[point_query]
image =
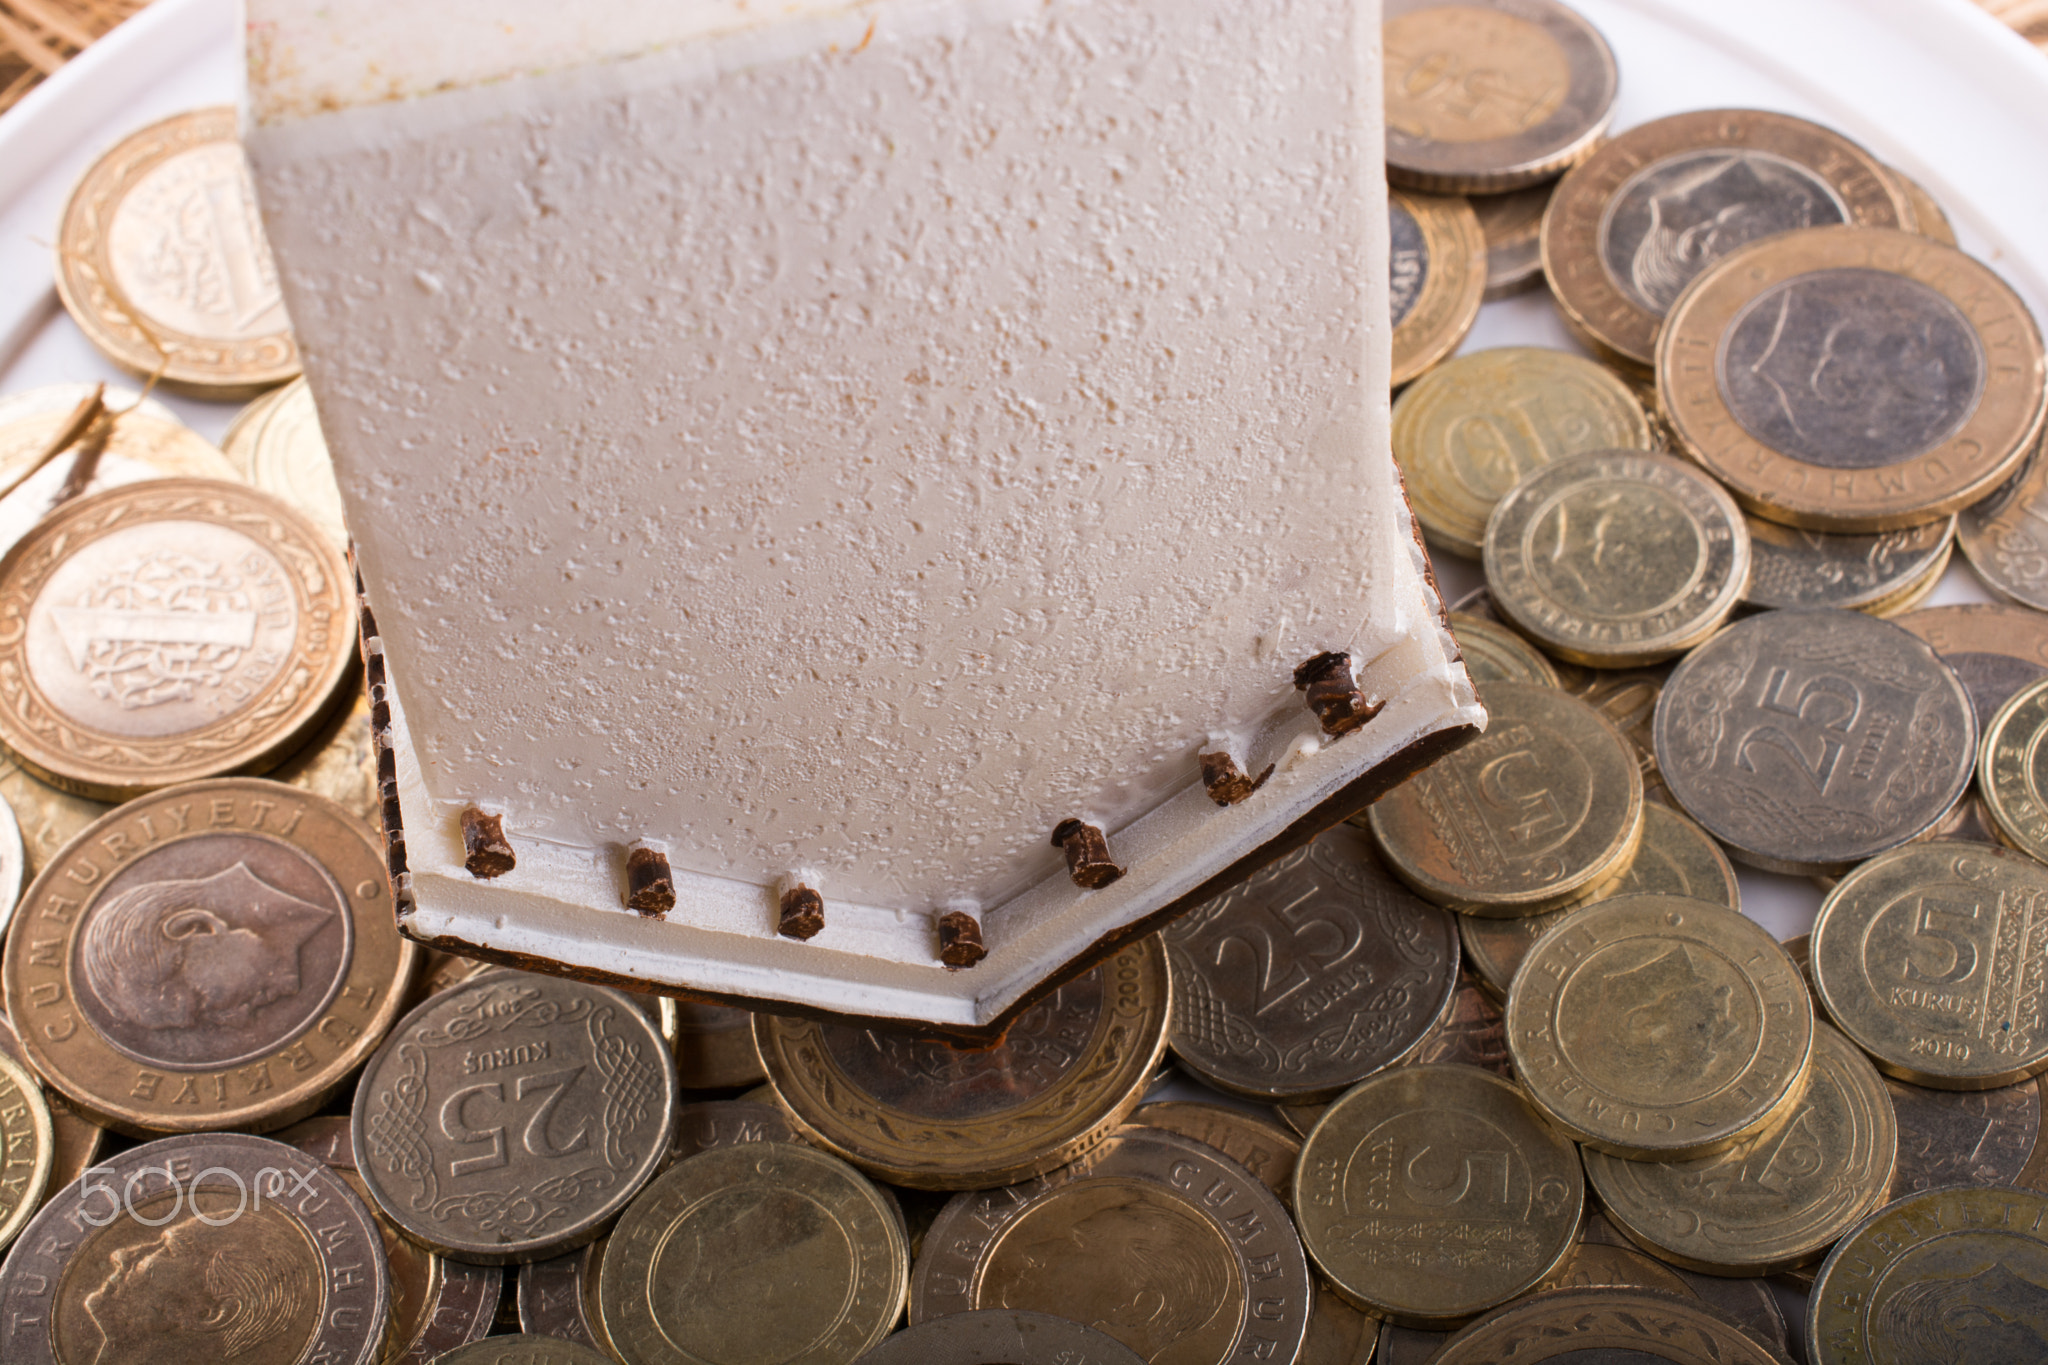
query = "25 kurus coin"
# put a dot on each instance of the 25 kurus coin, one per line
(1660, 1028)
(1932, 958)
(1617, 558)
(220, 955)
(1791, 567)
(1853, 379)
(918, 1112)
(1808, 741)
(1544, 806)
(1310, 975)
(1491, 94)
(1774, 1200)
(1427, 1194)
(168, 631)
(1631, 226)
(513, 1117)
(1436, 257)
(162, 262)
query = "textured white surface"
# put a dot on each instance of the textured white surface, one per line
(860, 448)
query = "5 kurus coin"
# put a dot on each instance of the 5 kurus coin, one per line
(918, 1112)
(1808, 741)
(1475, 426)
(1427, 1194)
(1776, 1199)
(1631, 226)
(169, 631)
(1491, 95)
(514, 1116)
(162, 262)
(219, 955)
(1660, 1028)
(1544, 806)
(1308, 976)
(1853, 379)
(1436, 258)
(1617, 558)
(1931, 957)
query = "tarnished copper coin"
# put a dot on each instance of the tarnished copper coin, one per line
(1631, 226)
(1853, 378)
(168, 631)
(220, 955)
(162, 261)
(1436, 258)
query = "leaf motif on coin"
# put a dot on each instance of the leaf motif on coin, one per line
(1700, 719)
(1753, 811)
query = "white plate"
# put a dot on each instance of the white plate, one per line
(1936, 87)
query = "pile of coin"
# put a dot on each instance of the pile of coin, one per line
(1498, 1071)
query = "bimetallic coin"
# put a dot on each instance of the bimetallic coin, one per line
(1675, 858)
(162, 262)
(1774, 1200)
(169, 631)
(1959, 1274)
(1933, 959)
(920, 1113)
(1436, 258)
(1491, 94)
(1790, 567)
(63, 400)
(288, 459)
(1599, 1326)
(1427, 1194)
(797, 1235)
(1929, 220)
(75, 1141)
(558, 1297)
(1010, 1335)
(1494, 653)
(1808, 741)
(1630, 227)
(1959, 1137)
(1475, 426)
(436, 1304)
(1544, 806)
(1310, 975)
(1617, 558)
(509, 1119)
(715, 1047)
(523, 1350)
(203, 1247)
(1995, 650)
(2012, 769)
(220, 955)
(1853, 379)
(1513, 225)
(1660, 1028)
(1163, 1242)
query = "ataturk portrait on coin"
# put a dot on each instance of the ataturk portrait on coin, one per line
(1993, 1314)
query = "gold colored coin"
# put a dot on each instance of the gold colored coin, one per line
(2012, 769)
(1491, 94)
(1617, 558)
(770, 1251)
(1675, 858)
(1853, 379)
(218, 956)
(523, 1350)
(1494, 653)
(1628, 697)
(1430, 1193)
(1475, 426)
(288, 459)
(715, 1047)
(136, 448)
(28, 1149)
(76, 1141)
(161, 261)
(238, 442)
(1915, 592)
(1544, 806)
(1929, 219)
(1958, 1274)
(1932, 958)
(1513, 224)
(1660, 1028)
(920, 1113)
(1436, 257)
(1995, 649)
(166, 632)
(1775, 1200)
(1631, 226)
(1578, 1326)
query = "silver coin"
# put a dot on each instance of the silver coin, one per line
(228, 1247)
(1792, 567)
(1217, 1199)
(558, 1297)
(1010, 1335)
(508, 1119)
(1305, 979)
(1808, 741)
(2005, 537)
